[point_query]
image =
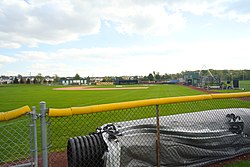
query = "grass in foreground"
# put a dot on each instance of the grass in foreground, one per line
(239, 164)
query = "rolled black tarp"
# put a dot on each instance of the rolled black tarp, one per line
(191, 139)
(86, 151)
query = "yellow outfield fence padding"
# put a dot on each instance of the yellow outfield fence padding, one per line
(5, 116)
(141, 103)
(62, 112)
(230, 95)
(133, 104)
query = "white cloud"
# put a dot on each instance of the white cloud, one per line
(238, 10)
(7, 59)
(150, 19)
(34, 56)
(10, 45)
(55, 21)
(60, 69)
(244, 18)
(141, 60)
(50, 22)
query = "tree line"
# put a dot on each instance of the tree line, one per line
(224, 75)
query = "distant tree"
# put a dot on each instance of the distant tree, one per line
(39, 78)
(77, 77)
(34, 81)
(107, 79)
(150, 77)
(28, 81)
(119, 79)
(145, 78)
(178, 75)
(154, 73)
(16, 81)
(88, 80)
(56, 78)
(165, 76)
(22, 80)
(157, 76)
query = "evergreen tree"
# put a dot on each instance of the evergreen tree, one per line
(150, 77)
(16, 81)
(28, 81)
(77, 77)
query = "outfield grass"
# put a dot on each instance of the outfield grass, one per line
(15, 96)
(239, 164)
(244, 87)
(245, 84)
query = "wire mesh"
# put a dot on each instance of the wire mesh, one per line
(128, 137)
(15, 142)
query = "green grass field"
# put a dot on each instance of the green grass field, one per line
(244, 87)
(239, 163)
(245, 84)
(15, 96)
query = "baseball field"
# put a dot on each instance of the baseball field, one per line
(15, 96)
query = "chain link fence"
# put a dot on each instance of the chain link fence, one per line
(16, 142)
(196, 132)
(178, 131)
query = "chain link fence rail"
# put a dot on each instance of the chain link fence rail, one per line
(176, 131)
(17, 138)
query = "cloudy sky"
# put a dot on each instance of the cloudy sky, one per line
(122, 37)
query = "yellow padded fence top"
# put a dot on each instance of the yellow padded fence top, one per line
(141, 103)
(5, 116)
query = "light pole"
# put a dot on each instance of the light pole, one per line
(243, 74)
(232, 84)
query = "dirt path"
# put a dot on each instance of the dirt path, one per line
(201, 89)
(59, 159)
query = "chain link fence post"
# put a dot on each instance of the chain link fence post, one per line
(158, 144)
(35, 148)
(43, 111)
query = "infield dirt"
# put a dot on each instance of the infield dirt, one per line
(95, 88)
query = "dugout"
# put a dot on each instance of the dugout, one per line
(127, 82)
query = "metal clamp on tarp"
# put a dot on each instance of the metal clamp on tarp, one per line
(111, 130)
(236, 124)
(112, 155)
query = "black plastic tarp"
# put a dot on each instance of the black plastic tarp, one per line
(192, 139)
